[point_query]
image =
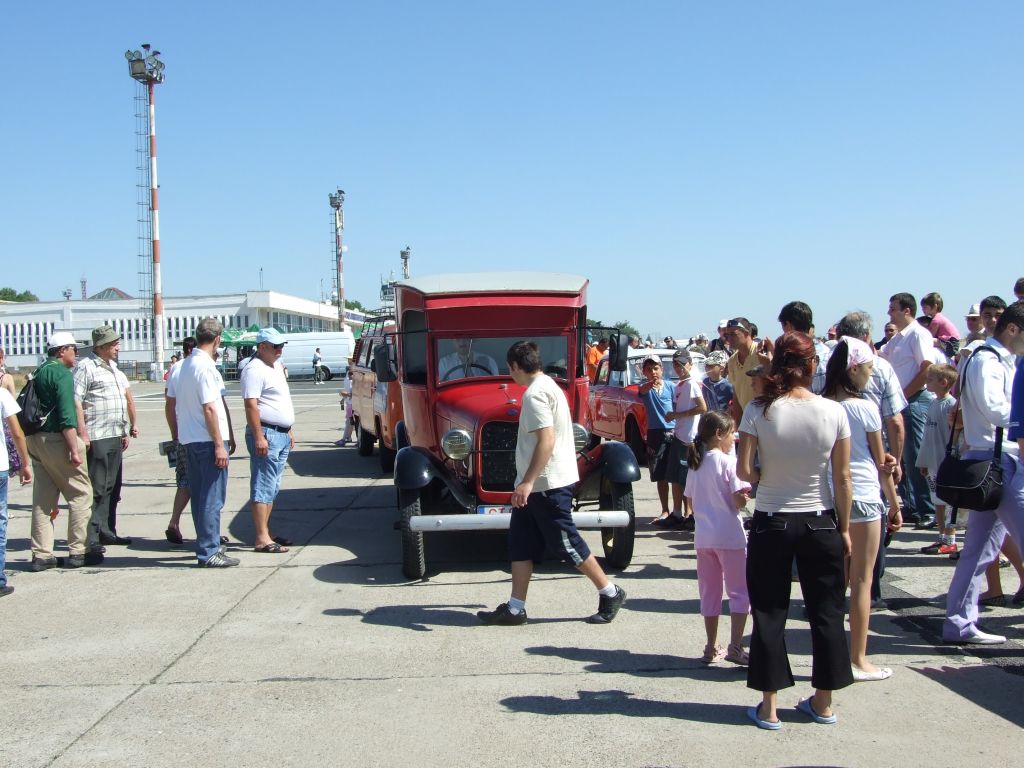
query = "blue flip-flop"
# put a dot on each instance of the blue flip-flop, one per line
(805, 707)
(767, 725)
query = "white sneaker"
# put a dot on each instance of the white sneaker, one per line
(977, 637)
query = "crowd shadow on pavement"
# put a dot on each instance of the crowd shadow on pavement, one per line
(625, 662)
(616, 702)
(984, 686)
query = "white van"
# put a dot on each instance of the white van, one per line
(335, 348)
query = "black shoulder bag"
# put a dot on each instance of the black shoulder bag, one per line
(971, 483)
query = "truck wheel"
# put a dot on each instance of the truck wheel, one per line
(387, 457)
(365, 440)
(414, 561)
(636, 443)
(618, 542)
(327, 374)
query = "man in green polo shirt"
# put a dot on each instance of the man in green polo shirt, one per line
(58, 460)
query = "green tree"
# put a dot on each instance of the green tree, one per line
(9, 294)
(626, 327)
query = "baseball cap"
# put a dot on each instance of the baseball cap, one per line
(718, 357)
(974, 311)
(650, 360)
(104, 334)
(60, 339)
(271, 335)
(681, 356)
(723, 323)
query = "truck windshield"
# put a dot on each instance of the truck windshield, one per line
(467, 356)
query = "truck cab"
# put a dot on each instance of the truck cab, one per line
(455, 467)
(376, 405)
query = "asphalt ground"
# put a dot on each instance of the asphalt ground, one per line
(326, 655)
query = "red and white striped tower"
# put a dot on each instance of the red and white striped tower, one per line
(158, 297)
(146, 67)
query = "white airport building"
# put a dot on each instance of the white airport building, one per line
(25, 326)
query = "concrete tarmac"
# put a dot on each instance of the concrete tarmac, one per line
(326, 655)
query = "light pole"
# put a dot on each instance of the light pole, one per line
(337, 202)
(146, 68)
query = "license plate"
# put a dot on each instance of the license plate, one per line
(493, 509)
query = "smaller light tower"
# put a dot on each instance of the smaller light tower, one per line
(147, 69)
(406, 254)
(337, 202)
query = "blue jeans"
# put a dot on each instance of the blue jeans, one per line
(209, 485)
(917, 496)
(265, 471)
(4, 479)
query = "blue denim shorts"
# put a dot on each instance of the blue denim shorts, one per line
(866, 511)
(265, 471)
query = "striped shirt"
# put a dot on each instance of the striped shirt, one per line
(103, 401)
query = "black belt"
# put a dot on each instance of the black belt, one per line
(275, 427)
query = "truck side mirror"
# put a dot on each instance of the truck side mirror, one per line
(618, 351)
(383, 365)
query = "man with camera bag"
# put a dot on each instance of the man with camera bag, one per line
(985, 396)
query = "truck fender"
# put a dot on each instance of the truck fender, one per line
(401, 435)
(414, 468)
(618, 463)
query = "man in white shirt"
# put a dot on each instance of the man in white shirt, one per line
(203, 423)
(909, 352)
(269, 417)
(546, 474)
(181, 493)
(985, 396)
(464, 363)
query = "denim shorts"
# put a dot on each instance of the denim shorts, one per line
(546, 521)
(678, 466)
(866, 511)
(659, 443)
(265, 471)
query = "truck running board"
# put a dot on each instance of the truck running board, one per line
(424, 523)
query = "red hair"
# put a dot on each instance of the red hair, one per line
(792, 367)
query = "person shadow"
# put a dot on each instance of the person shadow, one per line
(616, 702)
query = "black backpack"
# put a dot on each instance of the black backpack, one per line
(31, 416)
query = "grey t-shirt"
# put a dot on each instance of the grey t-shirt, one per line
(545, 405)
(794, 442)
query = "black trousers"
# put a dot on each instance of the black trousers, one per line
(814, 542)
(104, 458)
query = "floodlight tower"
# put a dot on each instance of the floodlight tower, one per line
(337, 202)
(146, 68)
(406, 254)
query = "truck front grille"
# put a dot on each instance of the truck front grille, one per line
(498, 455)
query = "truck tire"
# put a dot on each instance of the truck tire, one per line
(364, 440)
(635, 442)
(327, 373)
(414, 562)
(618, 542)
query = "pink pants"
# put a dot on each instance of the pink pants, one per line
(714, 565)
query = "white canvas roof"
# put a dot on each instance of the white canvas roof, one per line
(491, 282)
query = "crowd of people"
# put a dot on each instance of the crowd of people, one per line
(77, 451)
(840, 439)
(839, 443)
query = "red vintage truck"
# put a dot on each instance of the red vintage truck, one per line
(455, 467)
(376, 405)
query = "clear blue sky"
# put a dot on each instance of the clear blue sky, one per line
(694, 160)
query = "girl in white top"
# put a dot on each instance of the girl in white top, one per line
(716, 496)
(848, 372)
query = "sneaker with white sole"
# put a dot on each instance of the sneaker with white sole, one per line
(977, 637)
(219, 560)
(607, 607)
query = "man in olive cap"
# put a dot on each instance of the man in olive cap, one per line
(103, 427)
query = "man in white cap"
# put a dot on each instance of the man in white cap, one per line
(975, 325)
(58, 460)
(269, 417)
(103, 427)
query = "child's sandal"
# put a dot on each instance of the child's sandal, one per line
(737, 655)
(712, 653)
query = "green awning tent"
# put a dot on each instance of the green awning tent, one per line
(237, 337)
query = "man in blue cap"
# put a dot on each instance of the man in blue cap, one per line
(269, 417)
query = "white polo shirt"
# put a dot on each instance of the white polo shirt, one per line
(906, 350)
(545, 405)
(267, 385)
(198, 383)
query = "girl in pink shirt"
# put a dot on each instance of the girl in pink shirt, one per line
(717, 495)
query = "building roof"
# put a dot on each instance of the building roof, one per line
(111, 293)
(491, 282)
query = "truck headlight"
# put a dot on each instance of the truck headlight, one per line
(580, 436)
(457, 444)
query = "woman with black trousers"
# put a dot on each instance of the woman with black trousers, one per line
(797, 437)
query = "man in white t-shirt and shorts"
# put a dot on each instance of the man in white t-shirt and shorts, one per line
(546, 474)
(269, 417)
